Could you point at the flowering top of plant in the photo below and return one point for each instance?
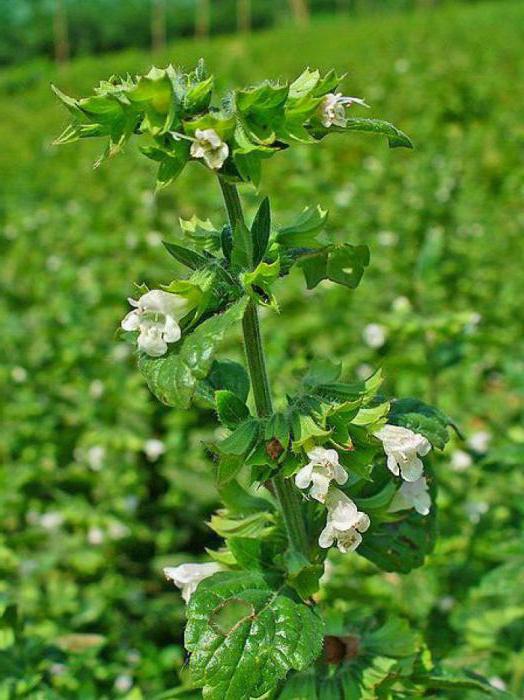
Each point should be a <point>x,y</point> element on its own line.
<point>337,464</point>
<point>233,134</point>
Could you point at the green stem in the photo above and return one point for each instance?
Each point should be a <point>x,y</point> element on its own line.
<point>288,497</point>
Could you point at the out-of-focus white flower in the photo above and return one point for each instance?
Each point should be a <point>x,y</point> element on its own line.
<point>401,304</point>
<point>446,603</point>
<point>154,449</point>
<point>387,238</point>
<point>154,239</point>
<point>117,531</point>
<point>123,683</point>
<point>479,441</point>
<point>475,510</point>
<point>19,375</point>
<point>345,523</point>
<point>402,447</point>
<point>323,467</point>
<point>57,669</point>
<point>374,335</point>
<point>53,263</point>
<point>401,65</point>
<point>95,457</point>
<point>332,109</point>
<point>188,576</point>
<point>51,520</point>
<point>95,535</point>
<point>120,352</point>
<point>96,388</point>
<point>364,371</point>
<point>155,316</point>
<point>498,683</point>
<point>209,146</point>
<point>412,494</point>
<point>460,461</point>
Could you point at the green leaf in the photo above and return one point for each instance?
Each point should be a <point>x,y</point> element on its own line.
<point>300,687</point>
<point>277,428</point>
<point>240,501</point>
<point>258,282</point>
<point>187,257</point>
<point>396,138</point>
<point>228,467</point>
<point>231,410</point>
<point>241,441</point>
<point>304,84</point>
<point>401,545</point>
<point>342,263</point>
<point>322,371</point>
<point>421,418</point>
<point>253,525</point>
<point>260,229</point>
<point>305,429</point>
<point>242,250</point>
<point>173,377</point>
<point>304,230</point>
<point>442,680</point>
<point>395,638</point>
<point>227,374</point>
<point>271,634</point>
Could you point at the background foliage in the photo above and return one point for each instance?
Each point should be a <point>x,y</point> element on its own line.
<point>89,514</point>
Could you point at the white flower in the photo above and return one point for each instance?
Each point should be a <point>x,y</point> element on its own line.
<point>332,109</point>
<point>155,316</point>
<point>322,468</point>
<point>188,576</point>
<point>412,494</point>
<point>402,446</point>
<point>19,375</point>
<point>95,535</point>
<point>96,388</point>
<point>154,449</point>
<point>497,683</point>
<point>209,146</point>
<point>460,461</point>
<point>374,335</point>
<point>51,520</point>
<point>123,683</point>
<point>345,523</point>
<point>95,457</point>
<point>479,441</point>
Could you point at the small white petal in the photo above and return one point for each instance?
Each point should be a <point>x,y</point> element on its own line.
<point>131,322</point>
<point>303,477</point>
<point>412,469</point>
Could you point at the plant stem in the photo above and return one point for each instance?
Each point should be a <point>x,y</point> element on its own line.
<point>287,495</point>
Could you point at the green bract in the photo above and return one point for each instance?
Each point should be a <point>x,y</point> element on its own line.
<point>169,107</point>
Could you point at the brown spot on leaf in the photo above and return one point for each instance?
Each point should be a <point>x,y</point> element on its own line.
<point>274,449</point>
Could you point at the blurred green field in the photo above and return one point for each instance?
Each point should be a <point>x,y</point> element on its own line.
<point>90,513</point>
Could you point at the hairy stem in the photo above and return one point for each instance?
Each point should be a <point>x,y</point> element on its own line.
<point>287,495</point>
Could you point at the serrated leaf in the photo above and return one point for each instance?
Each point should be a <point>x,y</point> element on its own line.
<point>396,138</point>
<point>305,429</point>
<point>173,377</point>
<point>228,467</point>
<point>231,410</point>
<point>258,283</point>
<point>322,371</point>
<point>277,428</point>
<point>260,229</point>
<point>275,636</point>
<point>442,680</point>
<point>242,248</point>
<point>402,545</point>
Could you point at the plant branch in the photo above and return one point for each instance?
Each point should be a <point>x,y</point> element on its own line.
<point>287,495</point>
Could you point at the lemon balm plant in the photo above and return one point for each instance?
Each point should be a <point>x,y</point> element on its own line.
<point>335,464</point>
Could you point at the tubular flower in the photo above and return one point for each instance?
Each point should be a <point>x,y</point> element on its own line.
<point>323,467</point>
<point>402,447</point>
<point>345,523</point>
<point>412,494</point>
<point>188,576</point>
<point>155,317</point>
<point>332,109</point>
<point>209,146</point>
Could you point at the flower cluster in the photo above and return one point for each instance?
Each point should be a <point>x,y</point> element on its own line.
<point>345,522</point>
<point>403,449</point>
<point>155,316</point>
